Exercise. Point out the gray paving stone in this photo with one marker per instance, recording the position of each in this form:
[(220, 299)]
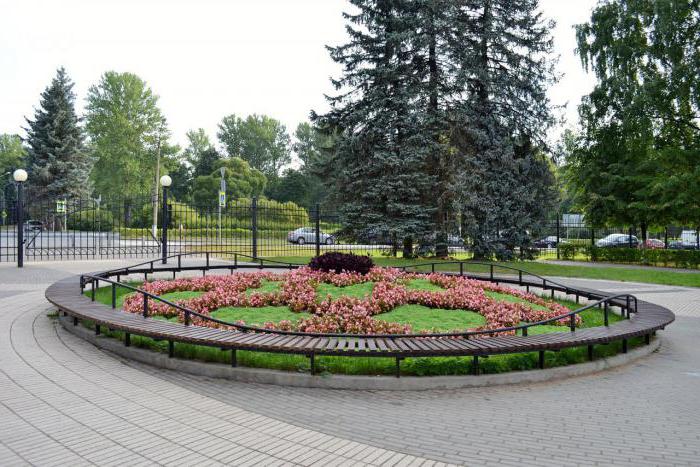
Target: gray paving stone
[(60, 392)]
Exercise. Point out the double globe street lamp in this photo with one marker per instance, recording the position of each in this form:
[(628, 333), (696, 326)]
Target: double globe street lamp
[(20, 176)]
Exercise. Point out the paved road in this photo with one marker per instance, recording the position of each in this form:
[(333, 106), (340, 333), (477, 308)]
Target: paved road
[(65, 402)]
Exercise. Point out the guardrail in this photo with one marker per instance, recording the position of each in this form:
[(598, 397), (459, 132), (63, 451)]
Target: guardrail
[(503, 340)]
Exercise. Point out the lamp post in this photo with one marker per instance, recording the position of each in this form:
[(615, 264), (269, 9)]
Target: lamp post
[(20, 176), (165, 182)]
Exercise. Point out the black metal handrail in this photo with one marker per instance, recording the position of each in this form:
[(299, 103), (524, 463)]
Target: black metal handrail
[(188, 313)]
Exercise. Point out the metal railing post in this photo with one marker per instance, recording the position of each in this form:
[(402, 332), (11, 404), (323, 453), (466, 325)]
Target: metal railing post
[(254, 225), (556, 245), (605, 314), (114, 295), (317, 227)]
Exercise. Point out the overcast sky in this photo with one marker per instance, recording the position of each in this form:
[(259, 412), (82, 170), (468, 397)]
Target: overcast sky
[(206, 58)]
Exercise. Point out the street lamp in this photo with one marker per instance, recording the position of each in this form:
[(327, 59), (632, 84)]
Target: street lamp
[(20, 176), (165, 182)]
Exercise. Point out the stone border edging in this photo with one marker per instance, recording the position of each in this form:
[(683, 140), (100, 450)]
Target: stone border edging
[(353, 382)]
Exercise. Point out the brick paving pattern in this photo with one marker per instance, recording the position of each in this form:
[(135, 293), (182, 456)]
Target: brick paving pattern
[(63, 402)]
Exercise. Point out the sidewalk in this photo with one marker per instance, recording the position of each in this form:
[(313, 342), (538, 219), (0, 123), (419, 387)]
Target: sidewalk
[(590, 264)]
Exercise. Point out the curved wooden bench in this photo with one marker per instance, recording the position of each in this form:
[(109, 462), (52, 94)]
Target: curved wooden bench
[(67, 296)]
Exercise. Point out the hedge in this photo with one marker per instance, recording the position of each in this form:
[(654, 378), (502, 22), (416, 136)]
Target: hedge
[(646, 256), (95, 220)]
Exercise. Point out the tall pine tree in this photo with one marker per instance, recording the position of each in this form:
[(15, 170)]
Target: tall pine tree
[(506, 67), (58, 162), (381, 163)]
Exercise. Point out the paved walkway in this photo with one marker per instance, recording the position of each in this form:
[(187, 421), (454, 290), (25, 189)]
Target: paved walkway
[(63, 401), (598, 264)]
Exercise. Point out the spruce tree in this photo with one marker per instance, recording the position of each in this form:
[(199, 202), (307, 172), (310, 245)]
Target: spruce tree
[(58, 162), (505, 64), (380, 165)]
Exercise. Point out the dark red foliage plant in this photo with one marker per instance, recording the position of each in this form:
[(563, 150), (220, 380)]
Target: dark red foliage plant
[(339, 262)]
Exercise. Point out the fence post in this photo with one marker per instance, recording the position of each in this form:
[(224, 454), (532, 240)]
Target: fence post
[(164, 226), (20, 227), (697, 238), (254, 225), (665, 238), (318, 230), (629, 238), (558, 236)]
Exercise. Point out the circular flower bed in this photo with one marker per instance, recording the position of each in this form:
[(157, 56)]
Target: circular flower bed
[(298, 290)]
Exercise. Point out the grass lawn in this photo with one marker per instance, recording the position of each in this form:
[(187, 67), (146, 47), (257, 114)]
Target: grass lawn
[(356, 290), (437, 319), (652, 276), (421, 318), (258, 316), (266, 287)]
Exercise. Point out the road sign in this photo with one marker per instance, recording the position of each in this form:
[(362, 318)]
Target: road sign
[(222, 199), (61, 206)]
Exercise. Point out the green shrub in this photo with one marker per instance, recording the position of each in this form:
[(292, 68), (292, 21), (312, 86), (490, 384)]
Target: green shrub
[(568, 250), (94, 220)]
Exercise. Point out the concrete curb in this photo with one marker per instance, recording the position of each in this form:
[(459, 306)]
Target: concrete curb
[(373, 383)]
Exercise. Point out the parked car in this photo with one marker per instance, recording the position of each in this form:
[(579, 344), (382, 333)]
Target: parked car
[(682, 245), (689, 237), (654, 244), (374, 236), (550, 241), (618, 241), (304, 235), (33, 226)]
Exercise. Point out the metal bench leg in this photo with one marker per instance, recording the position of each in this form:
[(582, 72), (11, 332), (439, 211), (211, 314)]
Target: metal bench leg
[(234, 358), (475, 365), (398, 367), (590, 353), (127, 339), (97, 329), (647, 339), (75, 321), (171, 349), (313, 364), (624, 345), (541, 360)]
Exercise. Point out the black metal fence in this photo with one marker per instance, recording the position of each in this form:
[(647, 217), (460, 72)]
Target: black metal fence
[(134, 228)]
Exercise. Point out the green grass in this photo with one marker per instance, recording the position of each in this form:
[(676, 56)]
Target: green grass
[(265, 287), (423, 284), (104, 294), (421, 317), (183, 295), (432, 319), (651, 276), (258, 316), (504, 297), (356, 290)]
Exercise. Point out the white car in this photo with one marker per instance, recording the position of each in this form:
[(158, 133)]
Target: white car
[(304, 235)]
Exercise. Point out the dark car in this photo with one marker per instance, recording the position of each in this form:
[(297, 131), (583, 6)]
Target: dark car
[(33, 226), (374, 236), (548, 242), (682, 245)]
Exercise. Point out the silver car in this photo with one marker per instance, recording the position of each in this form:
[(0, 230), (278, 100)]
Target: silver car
[(304, 235)]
